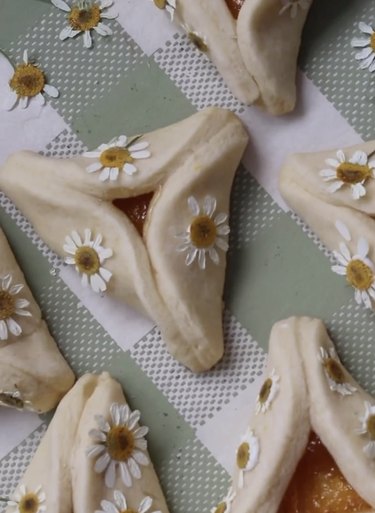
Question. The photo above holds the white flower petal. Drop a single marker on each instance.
(139, 146)
(335, 186)
(363, 247)
(95, 166)
(40, 99)
(343, 230)
(3, 331)
(113, 175)
(103, 29)
(120, 500)
(23, 313)
(109, 15)
(359, 157)
(115, 414)
(10, 100)
(333, 163)
(68, 32)
(345, 251)
(13, 327)
(104, 4)
(140, 432)
(360, 42)
(358, 191)
(102, 463)
(222, 244)
(23, 102)
(362, 54)
(338, 269)
(223, 230)
(341, 156)
(191, 256)
(95, 450)
(367, 62)
(145, 505)
(129, 169)
(202, 259)
(99, 435)
(134, 468)
(209, 205)
(141, 154)
(133, 419)
(140, 457)
(104, 254)
(105, 274)
(141, 443)
(364, 27)
(51, 90)
(358, 296)
(92, 154)
(125, 474)
(104, 175)
(97, 283)
(22, 303)
(108, 507)
(87, 40)
(60, 4)
(366, 299)
(194, 206)
(16, 289)
(214, 255)
(84, 280)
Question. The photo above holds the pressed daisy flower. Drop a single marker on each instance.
(168, 5)
(294, 6)
(334, 372)
(119, 445)
(118, 155)
(367, 44)
(226, 504)
(87, 256)
(28, 82)
(268, 392)
(85, 16)
(197, 39)
(358, 269)
(121, 506)
(368, 429)
(247, 455)
(353, 172)
(205, 233)
(28, 502)
(10, 307)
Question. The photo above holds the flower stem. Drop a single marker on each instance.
(132, 141)
(371, 154)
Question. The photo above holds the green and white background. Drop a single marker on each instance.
(145, 76)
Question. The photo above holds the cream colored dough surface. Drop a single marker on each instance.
(304, 402)
(60, 465)
(30, 364)
(198, 157)
(256, 54)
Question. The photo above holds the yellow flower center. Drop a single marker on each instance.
(198, 41)
(243, 455)
(128, 511)
(265, 391)
(29, 503)
(371, 426)
(203, 232)
(27, 80)
(334, 371)
(87, 260)
(84, 19)
(115, 157)
(352, 173)
(372, 41)
(120, 443)
(7, 305)
(9, 400)
(221, 508)
(160, 3)
(359, 274)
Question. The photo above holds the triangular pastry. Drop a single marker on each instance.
(253, 43)
(334, 192)
(93, 457)
(145, 221)
(33, 374)
(310, 446)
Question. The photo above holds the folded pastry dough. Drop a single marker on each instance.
(307, 390)
(33, 373)
(166, 254)
(256, 53)
(334, 192)
(94, 452)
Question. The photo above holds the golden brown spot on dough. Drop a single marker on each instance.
(115, 157)
(359, 274)
(371, 426)
(235, 6)
(203, 232)
(334, 371)
(352, 173)
(198, 41)
(221, 508)
(7, 305)
(160, 3)
(243, 455)
(29, 503)
(84, 19)
(135, 208)
(87, 260)
(318, 486)
(265, 391)
(27, 80)
(120, 443)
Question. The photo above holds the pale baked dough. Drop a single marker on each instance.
(197, 156)
(63, 469)
(33, 373)
(256, 54)
(304, 402)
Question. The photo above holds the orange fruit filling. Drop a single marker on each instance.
(135, 209)
(235, 7)
(319, 487)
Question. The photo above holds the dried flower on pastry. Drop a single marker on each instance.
(253, 43)
(313, 448)
(334, 193)
(33, 373)
(97, 461)
(145, 220)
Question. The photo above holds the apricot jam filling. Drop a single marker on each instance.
(319, 487)
(235, 6)
(135, 209)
